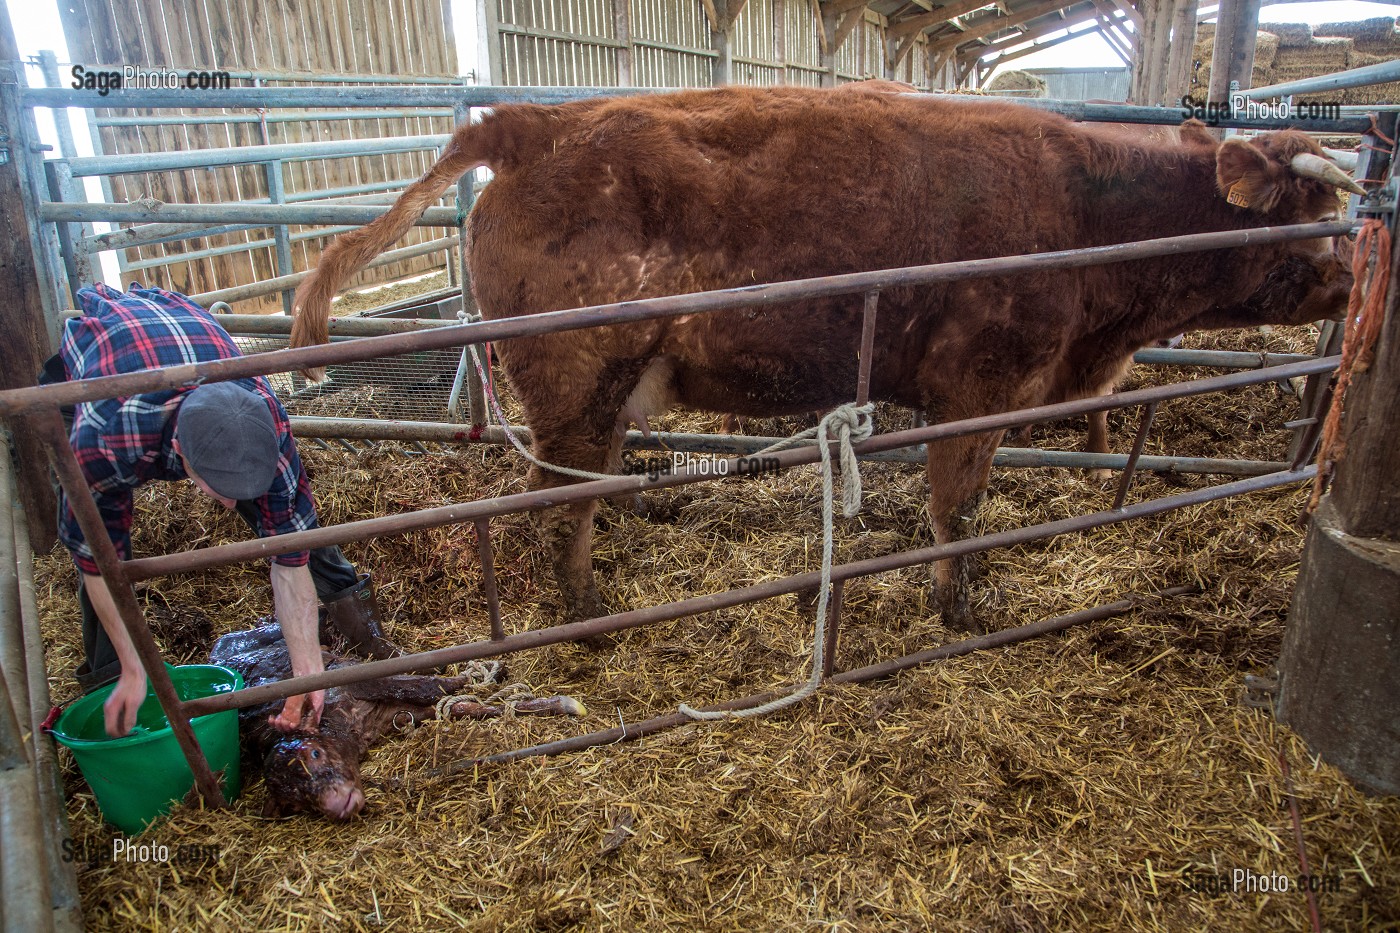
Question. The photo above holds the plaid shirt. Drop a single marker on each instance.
(124, 442)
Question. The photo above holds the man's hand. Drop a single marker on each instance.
(294, 600)
(121, 707)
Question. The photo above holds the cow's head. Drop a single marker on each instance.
(1285, 176)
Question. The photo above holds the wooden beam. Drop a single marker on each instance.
(917, 24)
(837, 7)
(905, 46)
(722, 65)
(779, 38)
(849, 21)
(1010, 42)
(1112, 41)
(711, 13)
(1183, 45)
(994, 23)
(1108, 12)
(22, 297)
(622, 31)
(1037, 47)
(735, 8)
(1131, 12)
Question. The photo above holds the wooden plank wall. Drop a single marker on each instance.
(318, 38)
(577, 42)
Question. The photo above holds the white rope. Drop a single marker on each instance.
(510, 433)
(847, 425)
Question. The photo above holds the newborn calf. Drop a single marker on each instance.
(319, 770)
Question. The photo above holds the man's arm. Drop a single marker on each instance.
(120, 708)
(294, 601)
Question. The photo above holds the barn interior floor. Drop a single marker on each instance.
(1099, 779)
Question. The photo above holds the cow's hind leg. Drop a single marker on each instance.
(1097, 443)
(957, 472)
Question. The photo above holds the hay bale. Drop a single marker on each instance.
(1266, 46)
(1292, 35)
(1022, 82)
(1376, 36)
(1376, 93)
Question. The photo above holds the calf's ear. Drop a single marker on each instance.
(1247, 177)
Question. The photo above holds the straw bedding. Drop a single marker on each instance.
(1072, 782)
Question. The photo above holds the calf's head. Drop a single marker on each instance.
(312, 772)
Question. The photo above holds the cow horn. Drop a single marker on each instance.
(1307, 165)
(1345, 159)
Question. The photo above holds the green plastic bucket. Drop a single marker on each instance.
(139, 776)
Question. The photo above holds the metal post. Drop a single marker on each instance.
(488, 573)
(49, 426)
(466, 198)
(1149, 411)
(867, 347)
(276, 192)
(833, 628)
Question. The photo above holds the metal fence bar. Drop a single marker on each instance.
(248, 155)
(489, 96)
(314, 116)
(285, 283)
(636, 730)
(266, 215)
(442, 432)
(1383, 73)
(695, 605)
(225, 554)
(14, 401)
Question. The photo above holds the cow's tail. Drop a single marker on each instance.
(500, 138)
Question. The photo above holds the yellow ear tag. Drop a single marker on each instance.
(1236, 195)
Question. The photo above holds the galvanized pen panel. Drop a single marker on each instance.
(290, 43)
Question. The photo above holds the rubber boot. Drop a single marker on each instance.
(353, 613)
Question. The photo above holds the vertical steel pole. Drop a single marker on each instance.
(867, 347)
(485, 549)
(277, 194)
(833, 628)
(466, 197)
(49, 426)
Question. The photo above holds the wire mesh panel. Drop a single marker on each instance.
(408, 387)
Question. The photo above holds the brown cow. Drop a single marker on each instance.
(608, 200)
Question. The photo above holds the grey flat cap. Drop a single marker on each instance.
(228, 436)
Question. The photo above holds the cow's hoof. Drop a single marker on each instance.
(1101, 477)
(955, 612)
(589, 605)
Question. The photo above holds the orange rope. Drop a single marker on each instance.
(1365, 315)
